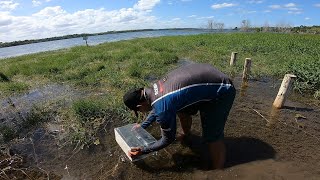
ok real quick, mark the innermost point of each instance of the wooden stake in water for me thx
(233, 58)
(284, 90)
(246, 69)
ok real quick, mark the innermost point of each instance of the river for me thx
(92, 40)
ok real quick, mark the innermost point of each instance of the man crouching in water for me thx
(183, 92)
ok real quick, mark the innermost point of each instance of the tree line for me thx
(281, 27)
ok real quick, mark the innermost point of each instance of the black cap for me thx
(132, 98)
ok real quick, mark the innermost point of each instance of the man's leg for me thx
(217, 152)
(185, 122)
(214, 115)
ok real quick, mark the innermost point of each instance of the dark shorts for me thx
(213, 115)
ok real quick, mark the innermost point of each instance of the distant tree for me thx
(266, 27)
(219, 26)
(85, 37)
(210, 24)
(245, 25)
(283, 27)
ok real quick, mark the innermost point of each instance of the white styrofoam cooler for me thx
(127, 137)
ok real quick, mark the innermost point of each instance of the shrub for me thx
(88, 109)
(7, 133)
(38, 115)
(3, 78)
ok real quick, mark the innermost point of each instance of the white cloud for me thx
(50, 12)
(56, 21)
(8, 5)
(146, 4)
(5, 19)
(267, 11)
(317, 5)
(176, 19)
(186, 0)
(223, 5)
(275, 6)
(250, 12)
(192, 16)
(207, 17)
(255, 1)
(294, 9)
(307, 18)
(36, 3)
(290, 5)
(294, 12)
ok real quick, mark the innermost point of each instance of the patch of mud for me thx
(262, 143)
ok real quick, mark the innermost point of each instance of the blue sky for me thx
(34, 19)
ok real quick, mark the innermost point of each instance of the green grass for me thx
(118, 66)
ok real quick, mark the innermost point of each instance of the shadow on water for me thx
(298, 109)
(246, 149)
(239, 150)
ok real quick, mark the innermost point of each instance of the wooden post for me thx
(284, 90)
(233, 58)
(246, 69)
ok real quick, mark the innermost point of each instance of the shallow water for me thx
(15, 110)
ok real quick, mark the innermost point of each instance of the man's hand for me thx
(135, 152)
(135, 127)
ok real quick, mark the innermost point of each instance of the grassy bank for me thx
(118, 66)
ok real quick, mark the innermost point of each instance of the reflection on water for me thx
(243, 88)
(274, 116)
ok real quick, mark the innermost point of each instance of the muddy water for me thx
(262, 143)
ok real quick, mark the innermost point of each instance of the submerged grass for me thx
(118, 66)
